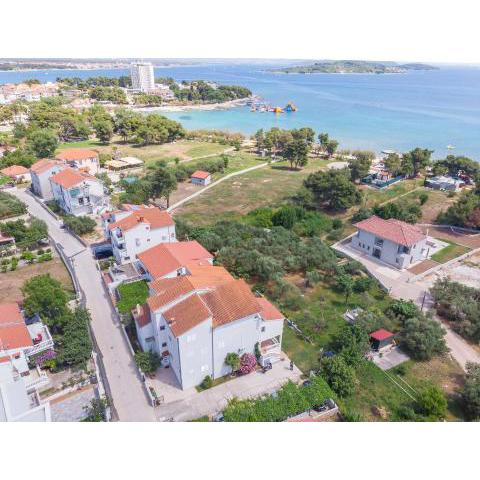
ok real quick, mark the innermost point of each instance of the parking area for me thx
(184, 405)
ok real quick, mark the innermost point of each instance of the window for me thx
(164, 238)
(263, 329)
(164, 344)
(80, 200)
(137, 242)
(379, 242)
(162, 327)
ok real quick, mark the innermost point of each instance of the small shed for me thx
(17, 172)
(381, 338)
(201, 177)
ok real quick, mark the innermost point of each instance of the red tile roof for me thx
(268, 311)
(187, 314)
(142, 317)
(394, 230)
(381, 334)
(13, 331)
(153, 216)
(14, 170)
(168, 257)
(200, 174)
(167, 290)
(231, 302)
(76, 154)
(68, 178)
(43, 165)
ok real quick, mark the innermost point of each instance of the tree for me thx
(346, 284)
(339, 375)
(415, 160)
(103, 130)
(233, 361)
(80, 225)
(393, 163)
(432, 403)
(352, 343)
(287, 216)
(331, 147)
(162, 183)
(296, 152)
(360, 166)
(43, 143)
(323, 140)
(76, 347)
(471, 391)
(44, 295)
(423, 337)
(464, 212)
(148, 362)
(333, 189)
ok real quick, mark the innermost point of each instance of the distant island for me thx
(355, 66)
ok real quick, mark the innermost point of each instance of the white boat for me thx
(450, 147)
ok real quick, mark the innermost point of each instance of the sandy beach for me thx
(206, 106)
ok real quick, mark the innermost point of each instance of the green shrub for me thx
(207, 383)
(148, 362)
(80, 225)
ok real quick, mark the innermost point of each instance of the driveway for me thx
(190, 404)
(123, 384)
(395, 281)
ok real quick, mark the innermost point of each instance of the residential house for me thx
(83, 159)
(194, 320)
(444, 182)
(168, 260)
(19, 400)
(137, 228)
(201, 178)
(40, 173)
(18, 173)
(78, 193)
(394, 242)
(21, 337)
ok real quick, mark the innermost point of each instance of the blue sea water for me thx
(430, 109)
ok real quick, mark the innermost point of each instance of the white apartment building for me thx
(40, 173)
(137, 228)
(143, 77)
(194, 320)
(78, 193)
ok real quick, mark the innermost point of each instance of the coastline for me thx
(197, 107)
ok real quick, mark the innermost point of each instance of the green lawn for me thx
(376, 391)
(131, 295)
(373, 196)
(183, 149)
(451, 251)
(304, 355)
(4, 179)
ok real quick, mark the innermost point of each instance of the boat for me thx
(290, 107)
(450, 147)
(277, 110)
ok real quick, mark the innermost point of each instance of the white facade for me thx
(395, 254)
(201, 350)
(88, 164)
(126, 244)
(142, 75)
(81, 199)
(41, 181)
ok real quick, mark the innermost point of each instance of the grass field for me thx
(373, 197)
(12, 282)
(238, 196)
(183, 149)
(376, 391)
(451, 251)
(131, 295)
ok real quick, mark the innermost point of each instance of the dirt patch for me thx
(12, 282)
(455, 236)
(423, 266)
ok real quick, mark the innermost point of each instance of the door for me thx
(377, 252)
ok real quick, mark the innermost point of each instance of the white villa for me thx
(40, 173)
(77, 193)
(136, 229)
(194, 320)
(82, 159)
(392, 241)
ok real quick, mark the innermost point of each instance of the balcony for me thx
(42, 340)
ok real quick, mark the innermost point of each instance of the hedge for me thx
(290, 400)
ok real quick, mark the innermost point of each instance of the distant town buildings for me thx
(142, 75)
(11, 92)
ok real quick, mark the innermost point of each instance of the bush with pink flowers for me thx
(248, 362)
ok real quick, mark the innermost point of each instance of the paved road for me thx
(213, 184)
(128, 396)
(398, 286)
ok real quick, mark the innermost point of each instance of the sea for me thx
(429, 109)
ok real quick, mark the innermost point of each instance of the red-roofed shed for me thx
(381, 338)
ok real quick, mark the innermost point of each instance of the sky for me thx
(407, 30)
